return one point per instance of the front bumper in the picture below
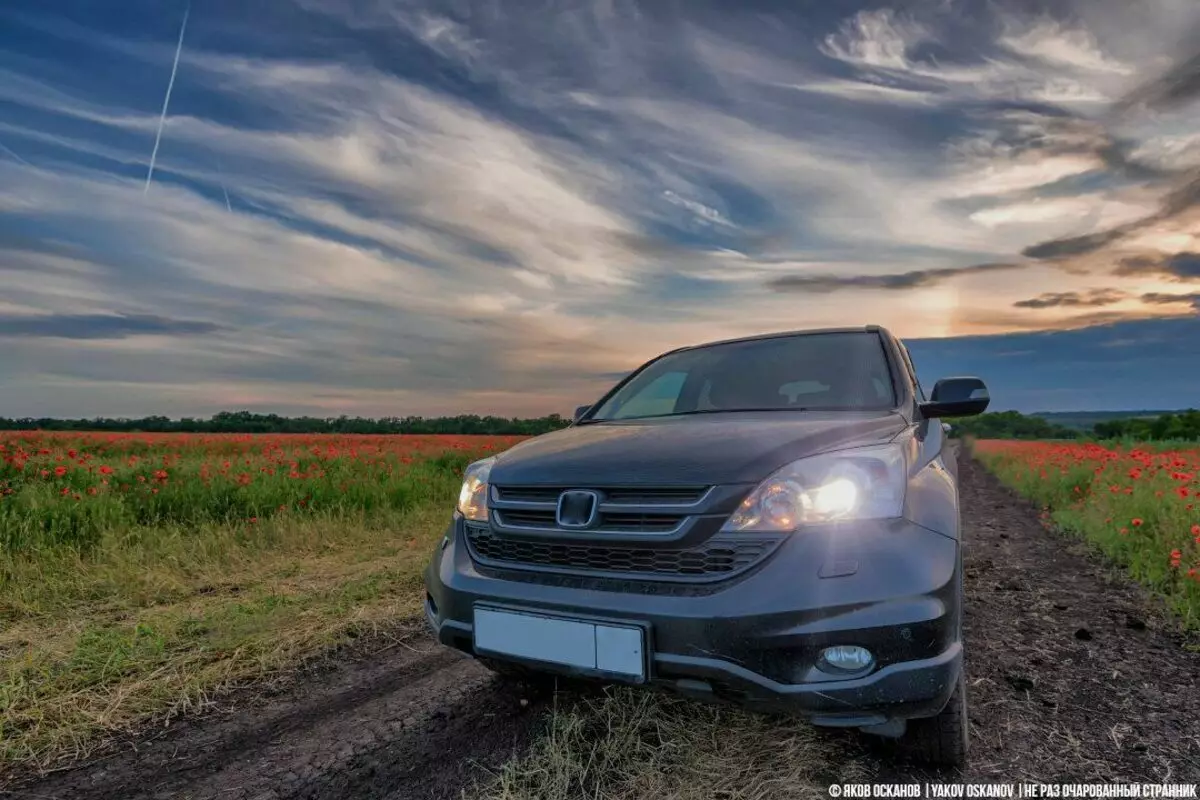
(890, 586)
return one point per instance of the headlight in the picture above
(864, 483)
(472, 498)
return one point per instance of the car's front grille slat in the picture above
(614, 496)
(716, 558)
(657, 523)
(528, 494)
(523, 518)
(606, 522)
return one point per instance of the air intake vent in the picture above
(607, 521)
(715, 558)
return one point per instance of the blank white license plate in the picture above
(615, 649)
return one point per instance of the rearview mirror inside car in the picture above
(956, 397)
(579, 412)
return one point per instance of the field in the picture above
(141, 573)
(1137, 505)
(220, 591)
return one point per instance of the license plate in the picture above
(617, 650)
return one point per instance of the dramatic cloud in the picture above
(1072, 246)
(99, 326)
(1177, 86)
(1180, 266)
(1096, 297)
(380, 207)
(1163, 298)
(906, 280)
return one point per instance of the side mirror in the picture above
(579, 412)
(947, 427)
(956, 397)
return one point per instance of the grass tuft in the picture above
(630, 743)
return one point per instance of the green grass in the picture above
(1135, 503)
(122, 609)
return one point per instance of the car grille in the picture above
(714, 558)
(657, 495)
(608, 521)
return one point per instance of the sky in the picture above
(387, 208)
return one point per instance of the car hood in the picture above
(740, 447)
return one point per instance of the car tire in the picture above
(941, 740)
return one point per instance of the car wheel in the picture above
(941, 740)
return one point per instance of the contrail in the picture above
(221, 178)
(9, 150)
(167, 100)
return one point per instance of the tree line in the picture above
(992, 425)
(1011, 425)
(1181, 425)
(248, 422)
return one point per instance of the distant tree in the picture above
(1011, 425)
(249, 422)
(1184, 425)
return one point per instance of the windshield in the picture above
(834, 371)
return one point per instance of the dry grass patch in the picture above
(626, 744)
(152, 627)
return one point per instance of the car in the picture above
(770, 521)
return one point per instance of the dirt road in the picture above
(1072, 677)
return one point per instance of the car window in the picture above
(820, 370)
(652, 399)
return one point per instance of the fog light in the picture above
(845, 658)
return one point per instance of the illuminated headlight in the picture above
(472, 498)
(864, 483)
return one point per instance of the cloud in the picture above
(986, 320)
(1037, 60)
(1095, 297)
(1177, 86)
(99, 326)
(896, 282)
(1179, 266)
(1168, 298)
(1049, 41)
(1185, 265)
(434, 209)
(1073, 245)
(880, 39)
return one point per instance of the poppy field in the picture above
(1139, 505)
(142, 573)
(68, 490)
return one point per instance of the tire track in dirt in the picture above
(1072, 676)
(420, 721)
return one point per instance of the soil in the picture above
(1074, 672)
(1074, 675)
